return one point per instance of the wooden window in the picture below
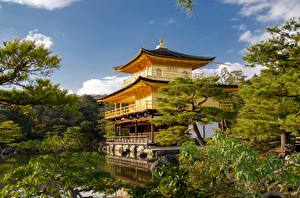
(185, 74)
(158, 73)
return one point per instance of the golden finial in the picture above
(161, 44)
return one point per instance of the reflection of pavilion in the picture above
(132, 171)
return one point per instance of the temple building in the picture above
(134, 105)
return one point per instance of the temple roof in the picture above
(172, 54)
(140, 78)
(166, 53)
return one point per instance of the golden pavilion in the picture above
(134, 105)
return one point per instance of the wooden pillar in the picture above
(135, 128)
(152, 133)
(116, 129)
(120, 131)
(152, 130)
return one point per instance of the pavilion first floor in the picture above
(135, 128)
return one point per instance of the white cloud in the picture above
(240, 27)
(268, 10)
(105, 85)
(247, 71)
(45, 4)
(39, 38)
(253, 38)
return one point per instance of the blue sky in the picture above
(92, 36)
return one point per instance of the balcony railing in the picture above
(129, 109)
(162, 74)
(139, 139)
(142, 138)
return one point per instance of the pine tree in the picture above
(185, 101)
(10, 133)
(21, 64)
(272, 99)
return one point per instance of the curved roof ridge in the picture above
(165, 52)
(133, 83)
(170, 53)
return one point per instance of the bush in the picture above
(226, 166)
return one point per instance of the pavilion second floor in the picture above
(121, 109)
(134, 98)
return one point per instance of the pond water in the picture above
(132, 171)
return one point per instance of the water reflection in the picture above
(131, 171)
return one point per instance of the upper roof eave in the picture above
(165, 53)
(140, 78)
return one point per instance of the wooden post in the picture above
(152, 133)
(116, 129)
(135, 128)
(115, 108)
(120, 131)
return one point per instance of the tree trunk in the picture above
(223, 128)
(72, 193)
(283, 138)
(199, 138)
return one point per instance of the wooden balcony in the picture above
(161, 75)
(132, 108)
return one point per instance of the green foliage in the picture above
(38, 106)
(186, 4)
(10, 133)
(39, 92)
(184, 101)
(73, 138)
(172, 136)
(226, 166)
(272, 100)
(30, 145)
(20, 61)
(231, 78)
(38, 122)
(108, 128)
(58, 175)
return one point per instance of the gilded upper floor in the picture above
(162, 64)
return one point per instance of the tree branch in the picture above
(203, 101)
